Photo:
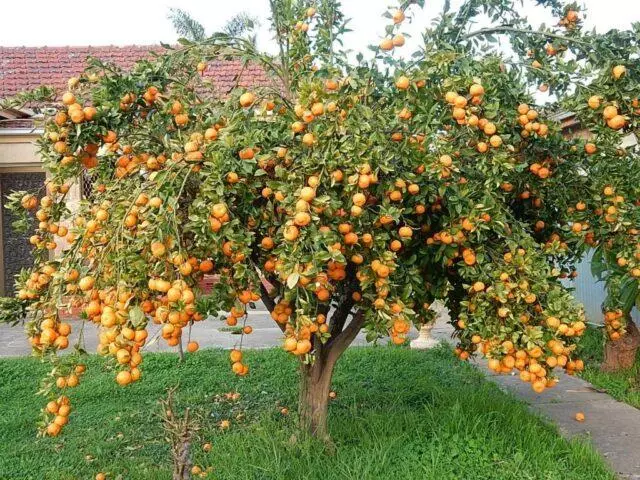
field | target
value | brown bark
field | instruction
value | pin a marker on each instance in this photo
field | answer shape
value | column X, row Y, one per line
column 315, row 381
column 313, row 404
column 621, row 354
column 182, row 462
column 178, row 432
column 180, row 350
column 315, row 377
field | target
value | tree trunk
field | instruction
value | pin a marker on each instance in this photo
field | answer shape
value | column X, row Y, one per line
column 621, row 354
column 315, row 383
column 315, row 378
column 180, row 350
column 182, row 462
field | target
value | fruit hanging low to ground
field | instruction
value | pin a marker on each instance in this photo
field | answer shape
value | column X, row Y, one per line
column 374, row 191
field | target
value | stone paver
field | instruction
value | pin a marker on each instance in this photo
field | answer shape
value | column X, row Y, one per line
column 611, row 426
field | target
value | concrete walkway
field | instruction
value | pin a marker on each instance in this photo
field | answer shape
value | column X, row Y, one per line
column 611, row 426
column 209, row 333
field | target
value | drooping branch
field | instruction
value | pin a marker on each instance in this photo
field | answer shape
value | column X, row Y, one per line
column 509, row 29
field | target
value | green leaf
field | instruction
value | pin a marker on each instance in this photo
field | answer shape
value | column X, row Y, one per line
column 292, row 280
column 136, row 315
column 598, row 266
column 628, row 294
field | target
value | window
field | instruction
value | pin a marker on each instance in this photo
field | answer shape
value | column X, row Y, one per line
column 86, row 185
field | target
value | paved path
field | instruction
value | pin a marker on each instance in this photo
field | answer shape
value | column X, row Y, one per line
column 613, row 427
column 210, row 333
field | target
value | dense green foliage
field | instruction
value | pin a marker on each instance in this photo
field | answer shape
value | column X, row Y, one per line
column 373, row 186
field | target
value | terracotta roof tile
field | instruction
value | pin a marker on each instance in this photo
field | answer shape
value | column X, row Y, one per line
column 22, row 68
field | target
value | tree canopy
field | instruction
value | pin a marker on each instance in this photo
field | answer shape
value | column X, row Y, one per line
column 348, row 195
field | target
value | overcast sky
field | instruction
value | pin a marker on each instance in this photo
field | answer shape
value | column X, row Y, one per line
column 125, row 22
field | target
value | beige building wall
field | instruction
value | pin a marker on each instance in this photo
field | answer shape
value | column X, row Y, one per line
column 18, row 150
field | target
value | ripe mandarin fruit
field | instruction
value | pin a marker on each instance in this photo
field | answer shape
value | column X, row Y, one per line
column 402, row 83
column 247, row 99
column 618, row 71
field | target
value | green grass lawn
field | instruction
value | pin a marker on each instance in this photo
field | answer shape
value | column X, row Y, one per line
column 399, row 414
column 623, row 385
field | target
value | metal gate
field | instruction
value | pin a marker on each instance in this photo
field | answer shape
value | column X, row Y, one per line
column 16, row 250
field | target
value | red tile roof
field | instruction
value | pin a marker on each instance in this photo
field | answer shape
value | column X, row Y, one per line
column 22, row 68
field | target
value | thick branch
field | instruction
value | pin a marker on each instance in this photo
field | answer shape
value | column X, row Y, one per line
column 266, row 298
column 337, row 345
column 341, row 313
column 269, row 303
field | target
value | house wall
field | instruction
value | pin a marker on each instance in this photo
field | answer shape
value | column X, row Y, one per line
column 18, row 150
column 591, row 293
column 20, row 168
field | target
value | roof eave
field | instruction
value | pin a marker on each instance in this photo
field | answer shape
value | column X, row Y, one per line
column 22, row 132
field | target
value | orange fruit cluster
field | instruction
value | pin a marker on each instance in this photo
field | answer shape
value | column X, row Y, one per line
column 613, row 324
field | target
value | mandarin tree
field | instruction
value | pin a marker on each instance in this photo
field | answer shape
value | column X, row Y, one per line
column 350, row 194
